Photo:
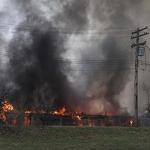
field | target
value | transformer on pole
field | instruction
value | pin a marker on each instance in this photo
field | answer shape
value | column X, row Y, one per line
column 139, row 52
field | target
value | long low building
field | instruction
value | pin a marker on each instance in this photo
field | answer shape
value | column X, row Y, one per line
column 68, row 120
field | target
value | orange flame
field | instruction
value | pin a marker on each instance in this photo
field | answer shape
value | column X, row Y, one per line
column 7, row 107
column 61, row 111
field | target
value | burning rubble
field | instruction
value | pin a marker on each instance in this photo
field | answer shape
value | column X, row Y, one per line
column 60, row 117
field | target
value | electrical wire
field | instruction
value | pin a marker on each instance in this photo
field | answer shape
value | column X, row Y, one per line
column 67, row 31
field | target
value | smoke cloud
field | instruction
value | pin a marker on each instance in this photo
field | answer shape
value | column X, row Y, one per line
column 69, row 53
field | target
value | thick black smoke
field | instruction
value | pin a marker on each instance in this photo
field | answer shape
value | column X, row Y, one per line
column 36, row 70
column 37, row 73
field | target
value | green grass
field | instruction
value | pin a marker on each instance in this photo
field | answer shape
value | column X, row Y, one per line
column 75, row 138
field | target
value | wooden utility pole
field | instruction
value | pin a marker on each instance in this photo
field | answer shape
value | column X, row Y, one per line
column 136, row 35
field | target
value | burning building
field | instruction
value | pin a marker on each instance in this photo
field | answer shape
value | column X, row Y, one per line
column 60, row 117
column 61, row 66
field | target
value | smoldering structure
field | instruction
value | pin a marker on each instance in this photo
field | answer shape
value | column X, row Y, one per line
column 39, row 75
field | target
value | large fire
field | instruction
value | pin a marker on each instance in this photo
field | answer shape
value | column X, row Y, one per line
column 63, row 116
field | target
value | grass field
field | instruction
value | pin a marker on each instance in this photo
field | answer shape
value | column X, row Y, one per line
column 75, row 138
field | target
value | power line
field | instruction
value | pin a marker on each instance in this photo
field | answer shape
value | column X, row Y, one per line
column 65, row 30
column 136, row 35
column 43, row 24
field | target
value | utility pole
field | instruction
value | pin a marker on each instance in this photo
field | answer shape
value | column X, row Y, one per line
column 136, row 35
